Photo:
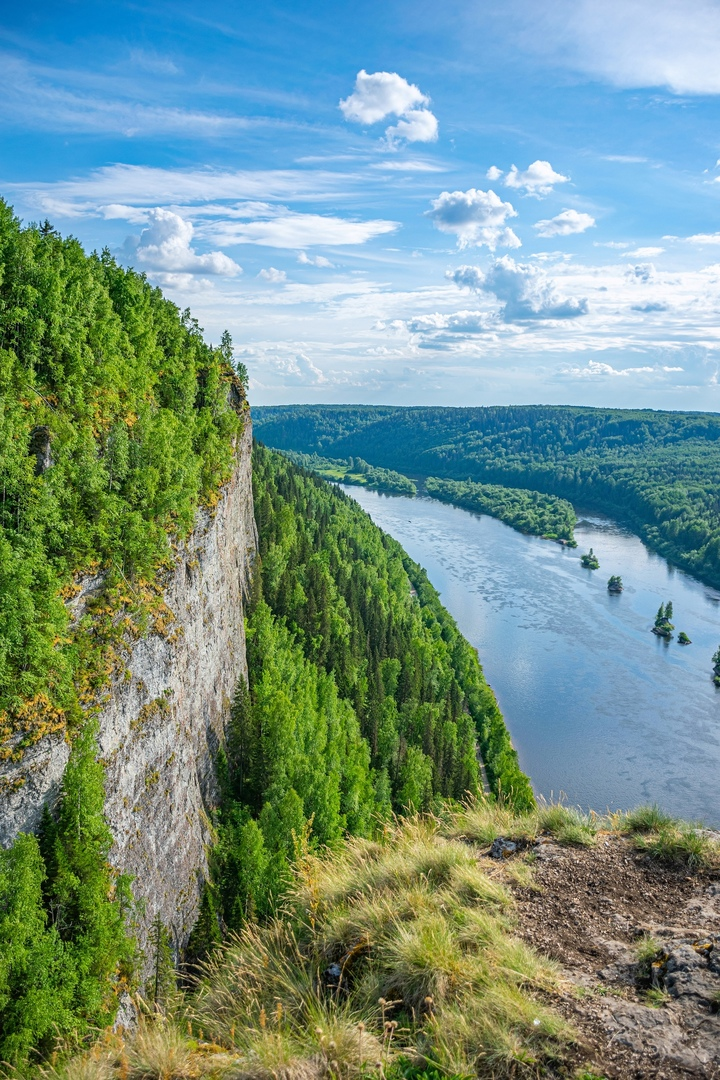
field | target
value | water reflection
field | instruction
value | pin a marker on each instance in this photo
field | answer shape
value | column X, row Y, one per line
column 599, row 708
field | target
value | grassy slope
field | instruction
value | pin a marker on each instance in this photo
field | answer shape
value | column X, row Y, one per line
column 391, row 955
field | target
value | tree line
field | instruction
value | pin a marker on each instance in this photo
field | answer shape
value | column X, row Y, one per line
column 657, row 471
column 364, row 699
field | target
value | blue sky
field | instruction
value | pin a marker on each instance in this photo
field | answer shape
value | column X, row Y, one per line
column 456, row 203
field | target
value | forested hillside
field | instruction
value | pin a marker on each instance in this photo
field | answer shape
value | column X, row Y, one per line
column 658, row 471
column 364, row 698
column 117, row 421
column 115, row 424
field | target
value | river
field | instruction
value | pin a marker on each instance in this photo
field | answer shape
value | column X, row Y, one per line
column 601, row 711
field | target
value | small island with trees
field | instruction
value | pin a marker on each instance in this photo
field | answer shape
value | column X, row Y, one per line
column 716, row 666
column 615, row 584
column 590, row 560
column 663, row 627
column 683, row 639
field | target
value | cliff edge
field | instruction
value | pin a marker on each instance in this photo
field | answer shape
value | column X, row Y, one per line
column 162, row 718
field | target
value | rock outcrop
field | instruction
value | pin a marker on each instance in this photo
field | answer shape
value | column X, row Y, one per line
column 163, row 719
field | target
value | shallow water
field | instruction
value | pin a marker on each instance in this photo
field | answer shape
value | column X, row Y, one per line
column 599, row 708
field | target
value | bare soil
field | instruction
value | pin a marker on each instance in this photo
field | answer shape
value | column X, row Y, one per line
column 588, row 911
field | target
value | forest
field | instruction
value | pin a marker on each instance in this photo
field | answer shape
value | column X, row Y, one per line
column 658, row 472
column 528, row 511
column 116, row 424
column 354, row 471
column 364, row 699
column 118, row 421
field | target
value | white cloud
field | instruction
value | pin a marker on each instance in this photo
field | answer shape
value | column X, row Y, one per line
column 300, row 371
column 641, row 272
column 538, row 179
column 273, row 275
column 643, row 253
column 672, row 43
column 704, row 238
column 476, row 217
column 617, row 244
column 313, row 260
column 385, row 93
column 596, row 369
column 165, row 246
column 420, row 125
column 458, row 322
column 649, row 306
column 524, row 292
column 279, row 227
column 566, row 223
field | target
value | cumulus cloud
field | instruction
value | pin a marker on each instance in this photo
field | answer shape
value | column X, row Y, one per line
column 164, row 245
column 566, row 223
column 420, row 125
column 458, row 322
column 313, row 260
column 385, row 93
column 476, row 217
column 272, row 274
column 525, row 292
column 641, row 272
column 538, row 179
column 299, row 370
column 649, row 306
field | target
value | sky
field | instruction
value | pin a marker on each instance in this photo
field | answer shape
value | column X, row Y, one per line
column 456, row 203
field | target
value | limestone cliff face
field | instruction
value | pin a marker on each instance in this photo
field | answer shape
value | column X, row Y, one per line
column 163, row 719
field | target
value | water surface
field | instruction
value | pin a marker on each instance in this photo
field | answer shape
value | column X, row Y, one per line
column 599, row 708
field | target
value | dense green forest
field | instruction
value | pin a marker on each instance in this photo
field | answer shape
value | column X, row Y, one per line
column 657, row 471
column 364, row 698
column 528, row 511
column 354, row 471
column 115, row 423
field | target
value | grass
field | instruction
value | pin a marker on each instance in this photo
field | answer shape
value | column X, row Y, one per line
column 483, row 821
column 394, row 958
column 669, row 840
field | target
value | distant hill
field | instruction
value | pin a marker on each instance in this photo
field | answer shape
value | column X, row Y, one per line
column 657, row 471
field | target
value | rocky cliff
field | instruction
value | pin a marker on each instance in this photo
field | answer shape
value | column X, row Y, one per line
column 163, row 718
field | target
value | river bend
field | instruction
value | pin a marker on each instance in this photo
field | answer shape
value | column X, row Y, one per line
column 600, row 710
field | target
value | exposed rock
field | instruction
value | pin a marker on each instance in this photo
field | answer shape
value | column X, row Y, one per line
column 40, row 447
column 163, row 719
column 502, row 849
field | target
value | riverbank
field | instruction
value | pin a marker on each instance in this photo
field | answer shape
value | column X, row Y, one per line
column 598, row 708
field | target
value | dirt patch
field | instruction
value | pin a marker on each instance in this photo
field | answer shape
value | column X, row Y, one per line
column 589, row 911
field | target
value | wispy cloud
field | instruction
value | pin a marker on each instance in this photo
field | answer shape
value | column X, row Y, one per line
column 566, row 223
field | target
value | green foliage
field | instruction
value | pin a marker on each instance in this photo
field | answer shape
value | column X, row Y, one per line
column 590, row 560
column 366, row 613
column 114, row 424
column 64, row 951
column 363, row 698
column 615, row 583
column 528, row 511
column 663, row 627
column 161, row 984
column 354, row 471
column 658, row 471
